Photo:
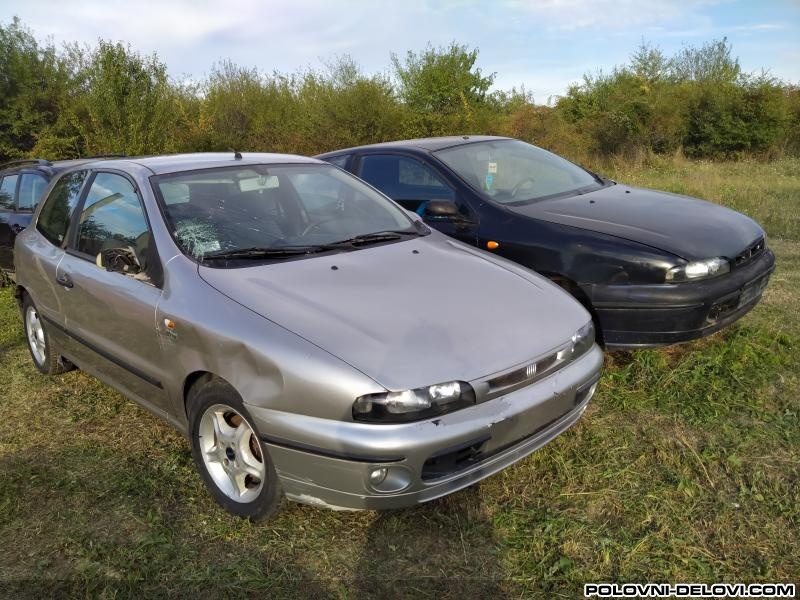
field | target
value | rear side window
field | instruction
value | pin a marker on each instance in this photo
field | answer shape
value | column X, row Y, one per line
column 112, row 218
column 57, row 210
column 7, row 188
column 31, row 188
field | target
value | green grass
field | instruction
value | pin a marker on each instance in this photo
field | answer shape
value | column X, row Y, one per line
column 685, row 468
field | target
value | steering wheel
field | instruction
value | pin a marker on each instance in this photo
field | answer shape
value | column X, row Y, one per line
column 317, row 224
column 521, row 184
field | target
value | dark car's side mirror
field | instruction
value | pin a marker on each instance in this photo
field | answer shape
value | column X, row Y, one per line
column 119, row 260
column 443, row 209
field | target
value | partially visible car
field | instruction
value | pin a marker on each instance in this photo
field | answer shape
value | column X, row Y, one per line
column 22, row 184
column 653, row 268
column 309, row 336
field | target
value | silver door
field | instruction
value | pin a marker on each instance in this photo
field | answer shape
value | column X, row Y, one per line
column 111, row 316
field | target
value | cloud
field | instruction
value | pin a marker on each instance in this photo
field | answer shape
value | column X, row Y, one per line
column 547, row 43
column 571, row 15
column 760, row 27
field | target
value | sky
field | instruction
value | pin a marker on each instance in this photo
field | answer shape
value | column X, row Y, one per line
column 544, row 45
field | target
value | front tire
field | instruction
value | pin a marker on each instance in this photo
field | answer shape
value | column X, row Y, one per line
column 229, row 454
column 39, row 343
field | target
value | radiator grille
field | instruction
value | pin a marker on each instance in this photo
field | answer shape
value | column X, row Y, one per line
column 749, row 254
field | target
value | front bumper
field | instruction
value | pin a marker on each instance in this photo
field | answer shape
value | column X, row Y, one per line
column 640, row 316
column 328, row 463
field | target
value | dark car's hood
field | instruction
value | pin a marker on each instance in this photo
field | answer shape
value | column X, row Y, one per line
column 406, row 319
column 684, row 226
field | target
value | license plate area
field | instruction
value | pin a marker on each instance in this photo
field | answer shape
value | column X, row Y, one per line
column 752, row 291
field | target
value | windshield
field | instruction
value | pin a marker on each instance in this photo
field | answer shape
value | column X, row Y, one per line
column 511, row 171
column 274, row 210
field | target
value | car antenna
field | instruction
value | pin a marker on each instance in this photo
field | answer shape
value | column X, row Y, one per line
column 236, row 154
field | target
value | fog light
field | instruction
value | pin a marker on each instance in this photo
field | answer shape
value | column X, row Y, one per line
column 388, row 480
column 377, row 476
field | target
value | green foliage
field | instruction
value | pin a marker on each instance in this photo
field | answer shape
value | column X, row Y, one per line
column 80, row 101
column 698, row 101
column 728, row 118
column 442, row 90
column 33, row 81
column 346, row 108
column 304, row 113
column 712, row 62
column 126, row 103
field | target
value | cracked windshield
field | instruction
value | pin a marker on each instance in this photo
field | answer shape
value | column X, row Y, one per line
column 259, row 211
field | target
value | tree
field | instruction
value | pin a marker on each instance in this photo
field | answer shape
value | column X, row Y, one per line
column 33, row 82
column 649, row 63
column 124, row 102
column 442, row 90
column 711, row 62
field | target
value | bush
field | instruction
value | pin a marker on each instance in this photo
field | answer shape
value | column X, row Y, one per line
column 111, row 99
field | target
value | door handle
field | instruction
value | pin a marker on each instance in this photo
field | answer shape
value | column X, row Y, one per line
column 65, row 280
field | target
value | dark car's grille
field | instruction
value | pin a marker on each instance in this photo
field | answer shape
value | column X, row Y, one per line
column 750, row 253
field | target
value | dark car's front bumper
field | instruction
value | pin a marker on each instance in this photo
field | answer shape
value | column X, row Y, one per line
column 639, row 316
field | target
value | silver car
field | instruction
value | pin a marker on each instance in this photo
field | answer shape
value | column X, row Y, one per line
column 312, row 339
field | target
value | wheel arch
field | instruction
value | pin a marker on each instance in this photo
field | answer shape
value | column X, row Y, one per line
column 571, row 286
column 19, row 293
column 196, row 380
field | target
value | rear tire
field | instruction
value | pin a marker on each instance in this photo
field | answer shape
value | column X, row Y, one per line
column 39, row 343
column 229, row 454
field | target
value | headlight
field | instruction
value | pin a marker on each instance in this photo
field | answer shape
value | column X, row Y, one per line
column 699, row 269
column 412, row 405
column 580, row 342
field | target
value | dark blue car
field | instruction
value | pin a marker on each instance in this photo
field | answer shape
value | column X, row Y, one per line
column 653, row 268
column 22, row 185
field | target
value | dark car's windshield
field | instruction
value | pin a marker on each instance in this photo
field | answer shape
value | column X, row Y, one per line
column 274, row 211
column 511, row 171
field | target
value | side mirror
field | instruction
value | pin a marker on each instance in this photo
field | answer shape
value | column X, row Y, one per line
column 119, row 260
column 443, row 209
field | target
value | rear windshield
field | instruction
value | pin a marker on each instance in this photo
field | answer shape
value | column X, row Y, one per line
column 272, row 206
column 513, row 172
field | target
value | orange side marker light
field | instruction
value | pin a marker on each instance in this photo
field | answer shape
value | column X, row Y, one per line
column 492, row 245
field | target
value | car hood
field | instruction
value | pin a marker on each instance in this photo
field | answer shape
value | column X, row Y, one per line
column 410, row 313
column 687, row 227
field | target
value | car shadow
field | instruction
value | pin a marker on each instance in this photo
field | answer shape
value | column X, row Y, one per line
column 445, row 548
column 86, row 522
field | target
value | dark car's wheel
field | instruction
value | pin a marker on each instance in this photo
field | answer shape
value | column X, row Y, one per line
column 229, row 454
column 39, row 344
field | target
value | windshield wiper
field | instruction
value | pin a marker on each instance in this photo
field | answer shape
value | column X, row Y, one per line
column 257, row 252
column 374, row 238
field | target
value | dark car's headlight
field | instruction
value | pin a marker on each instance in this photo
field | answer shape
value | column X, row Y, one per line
column 412, row 405
column 698, row 269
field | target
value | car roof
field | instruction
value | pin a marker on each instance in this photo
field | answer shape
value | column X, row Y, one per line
column 430, row 144
column 169, row 163
column 44, row 166
column 173, row 163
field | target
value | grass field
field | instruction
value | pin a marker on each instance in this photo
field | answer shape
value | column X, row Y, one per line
column 684, row 468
